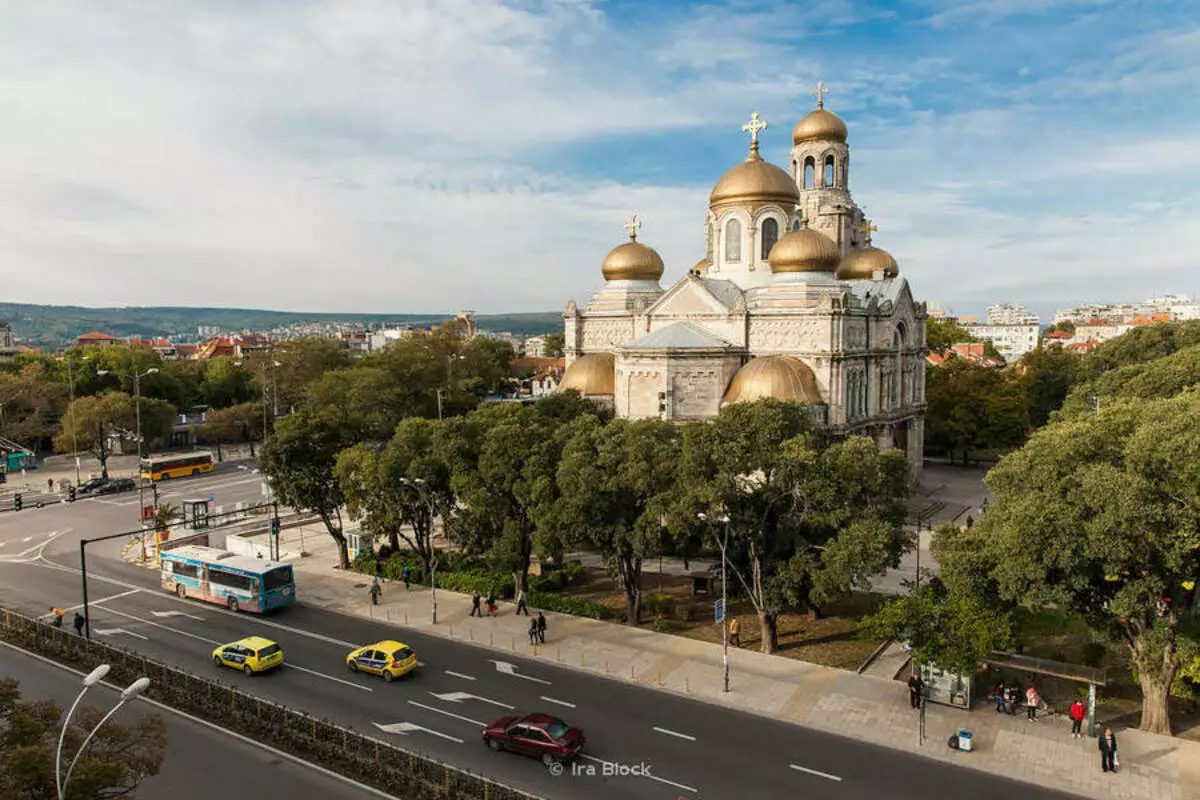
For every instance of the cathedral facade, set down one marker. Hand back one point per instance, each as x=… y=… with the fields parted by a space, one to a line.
x=791 y=301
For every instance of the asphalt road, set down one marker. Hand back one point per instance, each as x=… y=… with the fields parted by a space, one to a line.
x=201 y=763
x=670 y=747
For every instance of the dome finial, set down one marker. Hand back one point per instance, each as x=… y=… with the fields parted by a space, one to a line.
x=867 y=228
x=753 y=127
x=820 y=94
x=632 y=226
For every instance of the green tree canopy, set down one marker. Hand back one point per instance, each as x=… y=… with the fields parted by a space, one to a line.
x=301 y=362
x=234 y=424
x=226 y=382
x=30 y=405
x=971 y=407
x=555 y=343
x=1047 y=374
x=1161 y=377
x=97 y=420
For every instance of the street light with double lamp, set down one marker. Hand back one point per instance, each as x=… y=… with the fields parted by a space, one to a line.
x=137 y=403
x=724 y=544
x=95 y=676
x=71 y=392
x=418 y=484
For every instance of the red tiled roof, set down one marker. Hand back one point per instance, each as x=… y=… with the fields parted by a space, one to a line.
x=95 y=336
x=1059 y=335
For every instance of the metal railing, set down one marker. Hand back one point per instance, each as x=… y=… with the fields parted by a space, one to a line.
x=405 y=773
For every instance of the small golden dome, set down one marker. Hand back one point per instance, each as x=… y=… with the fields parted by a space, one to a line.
x=755 y=180
x=863 y=264
x=804 y=251
x=785 y=378
x=590 y=375
x=632 y=261
x=820 y=124
x=701 y=267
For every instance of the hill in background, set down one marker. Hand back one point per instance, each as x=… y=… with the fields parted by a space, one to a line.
x=52 y=327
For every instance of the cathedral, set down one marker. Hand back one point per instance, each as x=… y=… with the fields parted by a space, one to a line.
x=792 y=300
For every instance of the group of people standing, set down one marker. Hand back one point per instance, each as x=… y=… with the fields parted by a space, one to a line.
x=537 y=625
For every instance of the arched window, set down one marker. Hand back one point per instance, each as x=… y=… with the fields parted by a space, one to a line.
x=770 y=235
x=829 y=167
x=733 y=240
x=810 y=172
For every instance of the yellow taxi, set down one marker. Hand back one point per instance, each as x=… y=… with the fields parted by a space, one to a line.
x=250 y=655
x=388 y=658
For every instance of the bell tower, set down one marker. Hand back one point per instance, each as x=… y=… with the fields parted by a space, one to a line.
x=821 y=169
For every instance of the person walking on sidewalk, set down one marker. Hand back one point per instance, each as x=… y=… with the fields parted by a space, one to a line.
x=541 y=627
x=915 y=687
x=406 y=574
x=1108 y=751
x=475 y=612
x=533 y=631
x=1012 y=697
x=50 y=485
x=491 y=604
x=998 y=696
x=521 y=607
x=56 y=616
x=1032 y=701
x=1078 y=712
x=376 y=590
x=734 y=627
x=79 y=623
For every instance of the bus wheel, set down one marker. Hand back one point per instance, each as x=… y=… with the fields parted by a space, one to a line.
x=232 y=603
x=180 y=591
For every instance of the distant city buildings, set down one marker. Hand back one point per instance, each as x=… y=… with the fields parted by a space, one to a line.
x=1012 y=329
x=1177 y=307
x=535 y=347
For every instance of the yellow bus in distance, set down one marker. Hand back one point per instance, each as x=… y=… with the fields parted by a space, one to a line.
x=181 y=465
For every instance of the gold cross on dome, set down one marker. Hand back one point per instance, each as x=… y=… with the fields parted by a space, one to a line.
x=632 y=226
x=753 y=127
x=820 y=94
x=867 y=228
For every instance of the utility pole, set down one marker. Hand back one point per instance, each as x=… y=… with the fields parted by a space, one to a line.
x=724 y=545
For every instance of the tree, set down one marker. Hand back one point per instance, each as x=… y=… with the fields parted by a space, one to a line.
x=949 y=631
x=1098 y=514
x=226 y=383
x=972 y=407
x=119 y=757
x=30 y=405
x=1064 y=326
x=555 y=343
x=97 y=420
x=301 y=361
x=942 y=334
x=617 y=481
x=238 y=423
x=1162 y=377
x=1047 y=374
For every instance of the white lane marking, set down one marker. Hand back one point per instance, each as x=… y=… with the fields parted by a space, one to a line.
x=458 y=697
x=103 y=600
x=460 y=675
x=408 y=727
x=446 y=713
x=120 y=632
x=683 y=786
x=511 y=669
x=27 y=539
x=214 y=642
x=815 y=772
x=676 y=734
x=177 y=614
x=557 y=702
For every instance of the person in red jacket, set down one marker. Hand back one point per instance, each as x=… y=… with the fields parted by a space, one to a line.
x=1078 y=712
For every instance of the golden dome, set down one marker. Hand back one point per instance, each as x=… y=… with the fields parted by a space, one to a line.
x=701 y=267
x=785 y=378
x=804 y=251
x=590 y=375
x=862 y=264
x=820 y=124
x=633 y=260
x=755 y=179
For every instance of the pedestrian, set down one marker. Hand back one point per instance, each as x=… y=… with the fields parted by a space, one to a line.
x=915 y=687
x=521 y=607
x=376 y=590
x=1078 y=712
x=734 y=628
x=1012 y=696
x=378 y=569
x=970 y=521
x=998 y=696
x=533 y=631
x=56 y=616
x=475 y=612
x=50 y=485
x=1032 y=701
x=541 y=627
x=406 y=574
x=79 y=623
x=1108 y=751
x=491 y=604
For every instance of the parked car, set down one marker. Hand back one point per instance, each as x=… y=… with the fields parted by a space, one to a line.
x=537 y=735
x=91 y=485
x=115 y=486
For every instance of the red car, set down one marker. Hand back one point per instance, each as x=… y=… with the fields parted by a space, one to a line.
x=538 y=735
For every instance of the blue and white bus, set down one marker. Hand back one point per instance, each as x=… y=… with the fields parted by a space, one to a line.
x=218 y=576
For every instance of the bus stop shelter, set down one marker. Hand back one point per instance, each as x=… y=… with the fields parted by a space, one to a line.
x=195 y=514
x=1093 y=677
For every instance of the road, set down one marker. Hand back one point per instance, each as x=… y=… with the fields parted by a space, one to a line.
x=201 y=763
x=672 y=747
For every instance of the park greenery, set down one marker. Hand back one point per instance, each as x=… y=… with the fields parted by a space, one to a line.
x=119 y=757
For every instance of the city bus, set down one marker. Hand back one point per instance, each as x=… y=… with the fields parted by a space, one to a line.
x=240 y=583
x=157 y=468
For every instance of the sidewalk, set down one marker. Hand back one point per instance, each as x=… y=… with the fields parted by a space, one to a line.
x=858 y=706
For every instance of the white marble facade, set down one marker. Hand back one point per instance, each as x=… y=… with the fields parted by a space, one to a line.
x=791 y=301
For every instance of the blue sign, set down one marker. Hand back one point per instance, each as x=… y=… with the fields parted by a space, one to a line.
x=719 y=609
x=212 y=498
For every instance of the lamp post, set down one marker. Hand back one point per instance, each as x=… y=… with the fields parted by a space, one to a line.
x=129 y=693
x=71 y=392
x=418 y=485
x=724 y=543
x=137 y=405
x=90 y=680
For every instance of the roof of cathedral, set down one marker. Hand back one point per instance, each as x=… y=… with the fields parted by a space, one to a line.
x=780 y=377
x=632 y=260
x=820 y=124
x=863 y=264
x=726 y=291
x=804 y=250
x=590 y=375
x=755 y=180
x=679 y=336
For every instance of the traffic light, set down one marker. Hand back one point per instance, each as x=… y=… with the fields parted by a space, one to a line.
x=70 y=494
x=17 y=502
x=275 y=525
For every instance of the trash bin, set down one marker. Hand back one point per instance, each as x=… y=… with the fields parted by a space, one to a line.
x=964 y=740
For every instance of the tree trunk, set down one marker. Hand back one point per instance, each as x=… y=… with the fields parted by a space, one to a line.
x=1156 y=715
x=814 y=612
x=770 y=635
x=630 y=570
x=339 y=536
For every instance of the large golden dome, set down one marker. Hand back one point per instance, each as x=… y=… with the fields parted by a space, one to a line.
x=785 y=378
x=804 y=251
x=632 y=261
x=820 y=124
x=590 y=375
x=863 y=264
x=755 y=180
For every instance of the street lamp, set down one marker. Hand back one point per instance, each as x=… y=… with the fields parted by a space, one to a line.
x=71 y=391
x=724 y=543
x=129 y=693
x=419 y=484
x=137 y=403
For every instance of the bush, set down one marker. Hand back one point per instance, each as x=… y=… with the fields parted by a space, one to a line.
x=686 y=612
x=660 y=604
x=1093 y=654
x=568 y=605
x=483 y=580
x=575 y=572
x=663 y=624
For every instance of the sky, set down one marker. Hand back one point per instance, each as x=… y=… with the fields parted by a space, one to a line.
x=394 y=156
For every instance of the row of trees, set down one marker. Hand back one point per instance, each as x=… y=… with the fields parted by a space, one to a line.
x=807 y=519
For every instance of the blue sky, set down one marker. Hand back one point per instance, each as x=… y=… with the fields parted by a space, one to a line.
x=405 y=156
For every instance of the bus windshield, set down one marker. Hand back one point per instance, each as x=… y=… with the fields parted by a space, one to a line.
x=277 y=578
